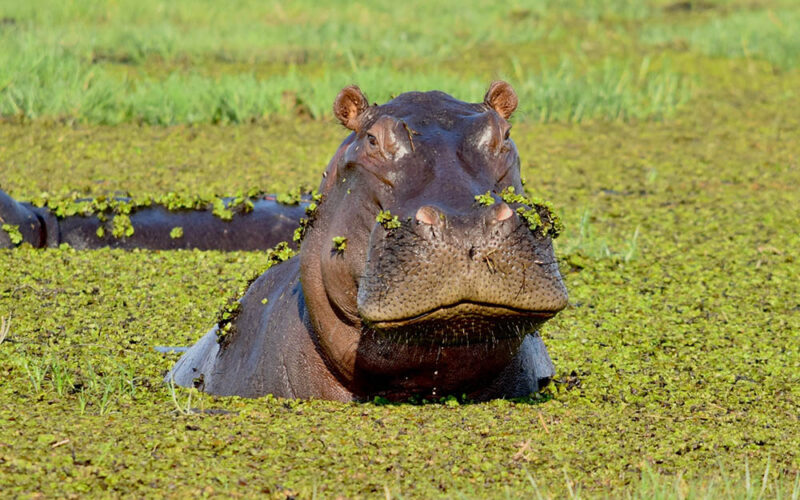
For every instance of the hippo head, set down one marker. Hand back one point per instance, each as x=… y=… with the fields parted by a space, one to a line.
x=426 y=289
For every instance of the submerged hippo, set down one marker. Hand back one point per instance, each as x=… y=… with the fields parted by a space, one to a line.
x=259 y=224
x=405 y=283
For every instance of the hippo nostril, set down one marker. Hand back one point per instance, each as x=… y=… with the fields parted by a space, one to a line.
x=498 y=212
x=428 y=215
x=503 y=212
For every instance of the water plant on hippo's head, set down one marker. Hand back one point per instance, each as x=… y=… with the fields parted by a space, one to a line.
x=438 y=291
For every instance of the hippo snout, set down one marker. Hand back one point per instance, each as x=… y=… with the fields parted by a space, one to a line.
x=487 y=266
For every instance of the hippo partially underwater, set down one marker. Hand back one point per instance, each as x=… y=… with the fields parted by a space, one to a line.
x=422 y=272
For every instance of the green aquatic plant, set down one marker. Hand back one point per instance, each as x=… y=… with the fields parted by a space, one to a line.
x=387 y=220
x=279 y=253
x=539 y=214
x=5 y=328
x=292 y=197
x=485 y=199
x=13 y=233
x=226 y=319
x=300 y=231
x=305 y=222
x=121 y=226
x=587 y=242
x=241 y=203
x=676 y=348
x=175 y=201
x=339 y=243
x=221 y=209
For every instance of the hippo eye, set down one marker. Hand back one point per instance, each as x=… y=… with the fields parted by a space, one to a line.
x=373 y=141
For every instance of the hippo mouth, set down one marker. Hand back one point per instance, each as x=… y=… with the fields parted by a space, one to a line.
x=464 y=309
x=464 y=322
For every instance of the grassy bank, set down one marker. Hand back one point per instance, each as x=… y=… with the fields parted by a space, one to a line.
x=186 y=63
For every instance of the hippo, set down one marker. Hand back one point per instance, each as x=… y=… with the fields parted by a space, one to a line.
x=253 y=223
x=423 y=272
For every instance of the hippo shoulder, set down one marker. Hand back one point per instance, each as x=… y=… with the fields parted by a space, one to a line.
x=235 y=363
x=269 y=349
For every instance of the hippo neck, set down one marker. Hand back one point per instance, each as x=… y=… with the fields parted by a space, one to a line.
x=340 y=354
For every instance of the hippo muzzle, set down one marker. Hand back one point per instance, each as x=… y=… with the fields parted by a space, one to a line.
x=464 y=279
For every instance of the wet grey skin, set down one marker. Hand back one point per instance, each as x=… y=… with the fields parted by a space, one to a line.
x=442 y=296
x=267 y=224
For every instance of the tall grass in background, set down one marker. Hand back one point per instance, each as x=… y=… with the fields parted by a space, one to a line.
x=58 y=84
x=187 y=62
x=59 y=87
x=158 y=63
x=771 y=35
x=373 y=31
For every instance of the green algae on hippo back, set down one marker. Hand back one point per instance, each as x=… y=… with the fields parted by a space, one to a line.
x=404 y=285
x=251 y=221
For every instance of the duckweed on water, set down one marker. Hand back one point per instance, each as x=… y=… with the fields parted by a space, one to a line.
x=300 y=231
x=226 y=320
x=221 y=210
x=102 y=206
x=305 y=222
x=682 y=360
x=292 y=197
x=532 y=211
x=279 y=253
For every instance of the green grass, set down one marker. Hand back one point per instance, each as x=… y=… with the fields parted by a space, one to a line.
x=585 y=242
x=153 y=63
x=668 y=153
x=183 y=62
x=770 y=35
x=58 y=85
x=131 y=31
x=168 y=63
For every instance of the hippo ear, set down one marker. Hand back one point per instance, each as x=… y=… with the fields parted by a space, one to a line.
x=502 y=98
x=349 y=105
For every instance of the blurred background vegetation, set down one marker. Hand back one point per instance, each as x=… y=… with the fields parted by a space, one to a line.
x=188 y=62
